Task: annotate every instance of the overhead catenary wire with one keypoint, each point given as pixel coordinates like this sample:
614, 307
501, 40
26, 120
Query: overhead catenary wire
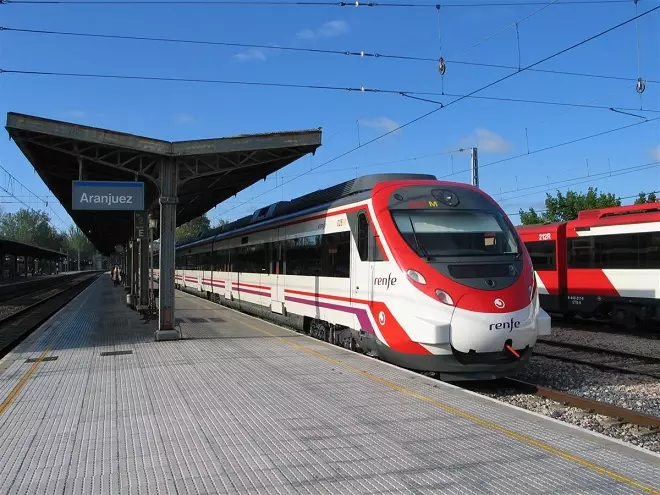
454, 173
508, 26
634, 196
441, 62
407, 94
559, 145
44, 200
562, 183
432, 112
379, 164
351, 53
285, 3
586, 179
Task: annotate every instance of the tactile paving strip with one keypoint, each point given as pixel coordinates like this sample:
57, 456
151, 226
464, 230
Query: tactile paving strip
233, 410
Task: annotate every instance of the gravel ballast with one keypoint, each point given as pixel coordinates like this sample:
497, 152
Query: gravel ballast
646, 345
624, 390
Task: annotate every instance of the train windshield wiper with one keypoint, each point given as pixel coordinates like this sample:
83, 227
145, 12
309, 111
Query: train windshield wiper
419, 246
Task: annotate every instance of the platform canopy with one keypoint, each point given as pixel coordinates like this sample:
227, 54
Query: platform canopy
209, 170
17, 248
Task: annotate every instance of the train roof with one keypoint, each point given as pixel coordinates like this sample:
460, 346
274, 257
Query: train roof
303, 204
539, 227
616, 215
619, 211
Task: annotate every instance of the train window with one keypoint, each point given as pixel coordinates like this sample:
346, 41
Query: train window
542, 254
336, 255
456, 233
616, 251
303, 256
250, 259
580, 252
319, 255
218, 260
363, 236
205, 261
649, 250
376, 253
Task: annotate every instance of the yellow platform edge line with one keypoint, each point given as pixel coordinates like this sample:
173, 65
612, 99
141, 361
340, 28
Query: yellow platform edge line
476, 419
21, 383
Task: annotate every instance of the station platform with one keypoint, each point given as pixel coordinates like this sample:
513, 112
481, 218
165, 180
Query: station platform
92, 404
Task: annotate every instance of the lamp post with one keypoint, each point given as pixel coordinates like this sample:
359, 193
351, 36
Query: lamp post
153, 225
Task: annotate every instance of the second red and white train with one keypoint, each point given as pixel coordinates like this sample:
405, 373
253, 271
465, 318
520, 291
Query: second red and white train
604, 264
425, 274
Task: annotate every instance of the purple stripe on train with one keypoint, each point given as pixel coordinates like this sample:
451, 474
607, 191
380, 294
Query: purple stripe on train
256, 292
362, 316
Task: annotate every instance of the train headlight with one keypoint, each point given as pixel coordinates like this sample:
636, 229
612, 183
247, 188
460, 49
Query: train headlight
416, 276
444, 297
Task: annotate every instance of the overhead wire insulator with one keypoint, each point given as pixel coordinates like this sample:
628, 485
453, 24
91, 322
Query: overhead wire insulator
640, 86
442, 67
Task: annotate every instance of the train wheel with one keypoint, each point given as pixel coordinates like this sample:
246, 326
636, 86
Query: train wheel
626, 319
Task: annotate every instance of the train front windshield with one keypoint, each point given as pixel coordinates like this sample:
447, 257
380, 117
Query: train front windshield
434, 233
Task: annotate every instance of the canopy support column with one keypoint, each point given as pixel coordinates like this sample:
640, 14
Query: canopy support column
168, 200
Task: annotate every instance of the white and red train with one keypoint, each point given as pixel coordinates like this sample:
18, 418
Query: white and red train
424, 274
604, 264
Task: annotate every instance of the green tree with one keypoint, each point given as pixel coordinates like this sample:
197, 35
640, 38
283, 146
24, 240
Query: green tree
77, 241
32, 227
644, 198
194, 229
566, 207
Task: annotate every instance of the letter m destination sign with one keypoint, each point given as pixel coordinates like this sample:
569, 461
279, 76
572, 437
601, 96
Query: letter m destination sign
101, 195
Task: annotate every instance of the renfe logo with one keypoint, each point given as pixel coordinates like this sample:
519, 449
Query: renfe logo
505, 325
387, 282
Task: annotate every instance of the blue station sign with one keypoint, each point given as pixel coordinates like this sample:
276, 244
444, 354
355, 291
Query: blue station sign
105, 195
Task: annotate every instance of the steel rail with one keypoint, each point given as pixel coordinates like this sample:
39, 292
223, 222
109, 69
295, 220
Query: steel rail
6, 319
11, 337
600, 366
603, 408
612, 352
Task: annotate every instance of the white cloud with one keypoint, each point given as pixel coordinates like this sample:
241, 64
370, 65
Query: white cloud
380, 123
251, 54
486, 141
327, 30
76, 114
184, 118
655, 152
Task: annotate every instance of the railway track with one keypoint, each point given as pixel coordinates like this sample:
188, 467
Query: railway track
596, 407
22, 315
649, 329
603, 359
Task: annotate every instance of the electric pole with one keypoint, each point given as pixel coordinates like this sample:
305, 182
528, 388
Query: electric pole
475, 168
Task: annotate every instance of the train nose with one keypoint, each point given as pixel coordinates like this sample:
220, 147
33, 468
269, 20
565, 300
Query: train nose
491, 332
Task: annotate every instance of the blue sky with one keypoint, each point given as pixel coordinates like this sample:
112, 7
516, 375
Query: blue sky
176, 111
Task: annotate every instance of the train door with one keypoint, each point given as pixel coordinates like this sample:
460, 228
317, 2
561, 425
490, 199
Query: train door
361, 267
277, 276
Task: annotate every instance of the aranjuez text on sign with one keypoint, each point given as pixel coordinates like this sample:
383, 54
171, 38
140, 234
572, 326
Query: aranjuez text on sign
104, 195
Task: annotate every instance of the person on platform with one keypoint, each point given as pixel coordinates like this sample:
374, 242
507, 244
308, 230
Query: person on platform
116, 277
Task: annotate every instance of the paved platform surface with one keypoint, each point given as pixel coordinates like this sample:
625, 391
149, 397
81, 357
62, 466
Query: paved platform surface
243, 406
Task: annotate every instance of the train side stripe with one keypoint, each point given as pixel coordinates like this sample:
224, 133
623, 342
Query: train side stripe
255, 292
